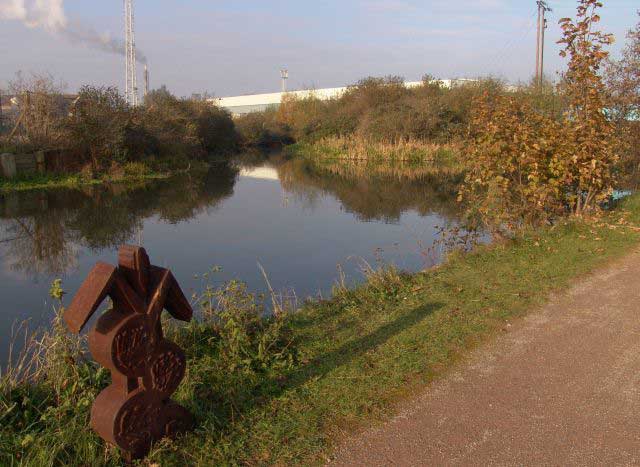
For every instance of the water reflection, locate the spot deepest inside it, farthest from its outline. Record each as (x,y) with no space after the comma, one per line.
(296,221)
(42,232)
(372,197)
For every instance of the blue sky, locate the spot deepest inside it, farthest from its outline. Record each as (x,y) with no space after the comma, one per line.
(238,47)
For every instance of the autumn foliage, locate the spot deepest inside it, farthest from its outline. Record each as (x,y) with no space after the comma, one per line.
(623,82)
(528,166)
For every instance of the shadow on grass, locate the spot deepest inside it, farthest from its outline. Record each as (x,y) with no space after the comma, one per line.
(352,349)
(215,408)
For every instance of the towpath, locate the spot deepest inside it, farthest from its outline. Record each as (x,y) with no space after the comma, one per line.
(560,387)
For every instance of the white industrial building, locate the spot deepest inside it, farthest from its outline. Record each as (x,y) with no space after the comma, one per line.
(240,105)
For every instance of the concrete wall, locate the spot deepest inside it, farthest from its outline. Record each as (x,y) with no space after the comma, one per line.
(12,165)
(22,164)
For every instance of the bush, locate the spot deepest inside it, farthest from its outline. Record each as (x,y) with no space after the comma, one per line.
(262,129)
(136,169)
(623,83)
(214,127)
(188,129)
(375,109)
(513,159)
(97,125)
(42,109)
(106,132)
(527,164)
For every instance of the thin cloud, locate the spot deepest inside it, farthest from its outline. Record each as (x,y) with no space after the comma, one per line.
(386,6)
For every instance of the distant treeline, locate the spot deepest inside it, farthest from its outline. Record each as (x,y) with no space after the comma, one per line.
(381,109)
(105,134)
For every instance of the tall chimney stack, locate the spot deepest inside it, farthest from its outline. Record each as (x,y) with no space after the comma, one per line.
(146,80)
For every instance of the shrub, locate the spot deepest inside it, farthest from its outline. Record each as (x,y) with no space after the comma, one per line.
(262,129)
(97,124)
(623,81)
(374,109)
(136,169)
(513,159)
(41,110)
(187,129)
(529,166)
(214,127)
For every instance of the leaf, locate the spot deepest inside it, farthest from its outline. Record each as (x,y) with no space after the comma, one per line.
(26,441)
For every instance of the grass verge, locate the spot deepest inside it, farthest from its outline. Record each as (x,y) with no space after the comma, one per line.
(283,391)
(40,182)
(129,173)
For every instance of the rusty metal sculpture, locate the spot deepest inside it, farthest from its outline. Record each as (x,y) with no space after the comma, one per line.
(146,369)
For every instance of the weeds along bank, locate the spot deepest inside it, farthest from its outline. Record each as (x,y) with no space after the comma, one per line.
(380,109)
(281,389)
(403,159)
(378,119)
(103,137)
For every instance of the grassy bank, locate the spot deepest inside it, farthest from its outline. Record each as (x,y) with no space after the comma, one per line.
(281,391)
(131,172)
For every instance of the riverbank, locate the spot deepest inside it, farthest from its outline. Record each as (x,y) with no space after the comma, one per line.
(129,173)
(534,395)
(334,366)
(400,159)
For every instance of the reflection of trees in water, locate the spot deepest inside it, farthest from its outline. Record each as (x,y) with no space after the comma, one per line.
(38,246)
(42,231)
(370,196)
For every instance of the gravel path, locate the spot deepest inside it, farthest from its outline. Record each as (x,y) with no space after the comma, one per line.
(561,387)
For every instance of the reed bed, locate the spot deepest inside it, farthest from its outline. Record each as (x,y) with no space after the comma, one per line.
(402,159)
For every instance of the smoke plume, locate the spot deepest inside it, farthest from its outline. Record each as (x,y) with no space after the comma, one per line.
(49,15)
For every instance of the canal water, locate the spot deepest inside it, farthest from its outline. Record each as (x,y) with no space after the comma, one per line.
(303,226)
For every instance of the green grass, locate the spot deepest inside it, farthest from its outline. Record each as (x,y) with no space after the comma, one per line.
(38,182)
(354,356)
(131,172)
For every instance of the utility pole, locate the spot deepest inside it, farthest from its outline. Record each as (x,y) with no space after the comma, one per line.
(284,74)
(542,25)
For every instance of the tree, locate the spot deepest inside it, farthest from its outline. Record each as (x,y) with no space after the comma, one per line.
(589,132)
(623,81)
(42,108)
(98,122)
(623,78)
(530,164)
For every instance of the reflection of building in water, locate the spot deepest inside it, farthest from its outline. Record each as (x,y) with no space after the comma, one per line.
(262,173)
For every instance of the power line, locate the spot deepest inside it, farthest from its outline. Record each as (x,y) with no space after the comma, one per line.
(543,8)
(515,39)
